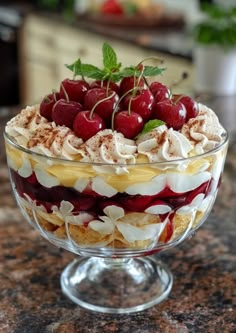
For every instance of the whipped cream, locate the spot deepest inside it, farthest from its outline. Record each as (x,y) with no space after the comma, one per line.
(204,132)
(110,147)
(30,130)
(200,134)
(163,144)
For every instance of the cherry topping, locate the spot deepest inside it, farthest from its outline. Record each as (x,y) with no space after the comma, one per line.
(142,103)
(75,90)
(64,112)
(173,114)
(159,91)
(190,104)
(87,125)
(47,104)
(136,203)
(106,106)
(129,83)
(106,84)
(129,123)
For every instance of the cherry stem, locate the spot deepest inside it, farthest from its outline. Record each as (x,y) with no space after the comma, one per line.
(146,59)
(98,102)
(54,95)
(65,93)
(107,87)
(140,76)
(118,103)
(178,99)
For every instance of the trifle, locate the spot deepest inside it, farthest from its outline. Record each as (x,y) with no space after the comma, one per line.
(114,165)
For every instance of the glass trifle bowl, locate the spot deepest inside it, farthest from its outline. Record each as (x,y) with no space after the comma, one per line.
(115,217)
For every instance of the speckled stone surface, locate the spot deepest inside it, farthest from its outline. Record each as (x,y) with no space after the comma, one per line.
(203,298)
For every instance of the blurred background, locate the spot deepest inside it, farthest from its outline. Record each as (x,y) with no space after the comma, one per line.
(38,37)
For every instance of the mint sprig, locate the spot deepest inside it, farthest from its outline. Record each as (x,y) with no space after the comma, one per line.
(110,58)
(111,70)
(150,125)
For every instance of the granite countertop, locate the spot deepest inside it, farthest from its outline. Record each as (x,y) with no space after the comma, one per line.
(203,298)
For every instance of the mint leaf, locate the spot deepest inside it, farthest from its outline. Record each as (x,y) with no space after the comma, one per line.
(75,67)
(152,71)
(86,70)
(148,71)
(109,57)
(116,76)
(91,71)
(150,125)
(129,71)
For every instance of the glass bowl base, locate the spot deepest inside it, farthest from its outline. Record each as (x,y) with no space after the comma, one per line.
(116,285)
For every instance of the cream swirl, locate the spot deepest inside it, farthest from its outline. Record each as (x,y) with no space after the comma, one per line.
(57,141)
(163,144)
(30,130)
(205,131)
(110,147)
(25,124)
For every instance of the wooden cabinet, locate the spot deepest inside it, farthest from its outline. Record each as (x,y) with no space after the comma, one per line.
(47,45)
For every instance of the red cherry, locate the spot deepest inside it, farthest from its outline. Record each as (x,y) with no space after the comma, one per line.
(173,114)
(136,203)
(32,179)
(104,84)
(83,203)
(129,83)
(75,90)
(87,125)
(47,104)
(111,7)
(142,103)
(202,189)
(128,123)
(107,105)
(64,112)
(159,91)
(190,104)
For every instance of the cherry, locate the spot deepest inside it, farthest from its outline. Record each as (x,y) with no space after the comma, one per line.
(190,104)
(136,203)
(202,189)
(83,203)
(128,123)
(129,83)
(111,7)
(142,103)
(75,90)
(47,104)
(173,114)
(107,105)
(159,91)
(87,125)
(32,179)
(64,112)
(106,84)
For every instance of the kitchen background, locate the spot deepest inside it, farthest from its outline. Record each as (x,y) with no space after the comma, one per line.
(38,37)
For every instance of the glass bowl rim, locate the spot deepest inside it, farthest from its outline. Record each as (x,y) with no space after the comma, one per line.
(225,137)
